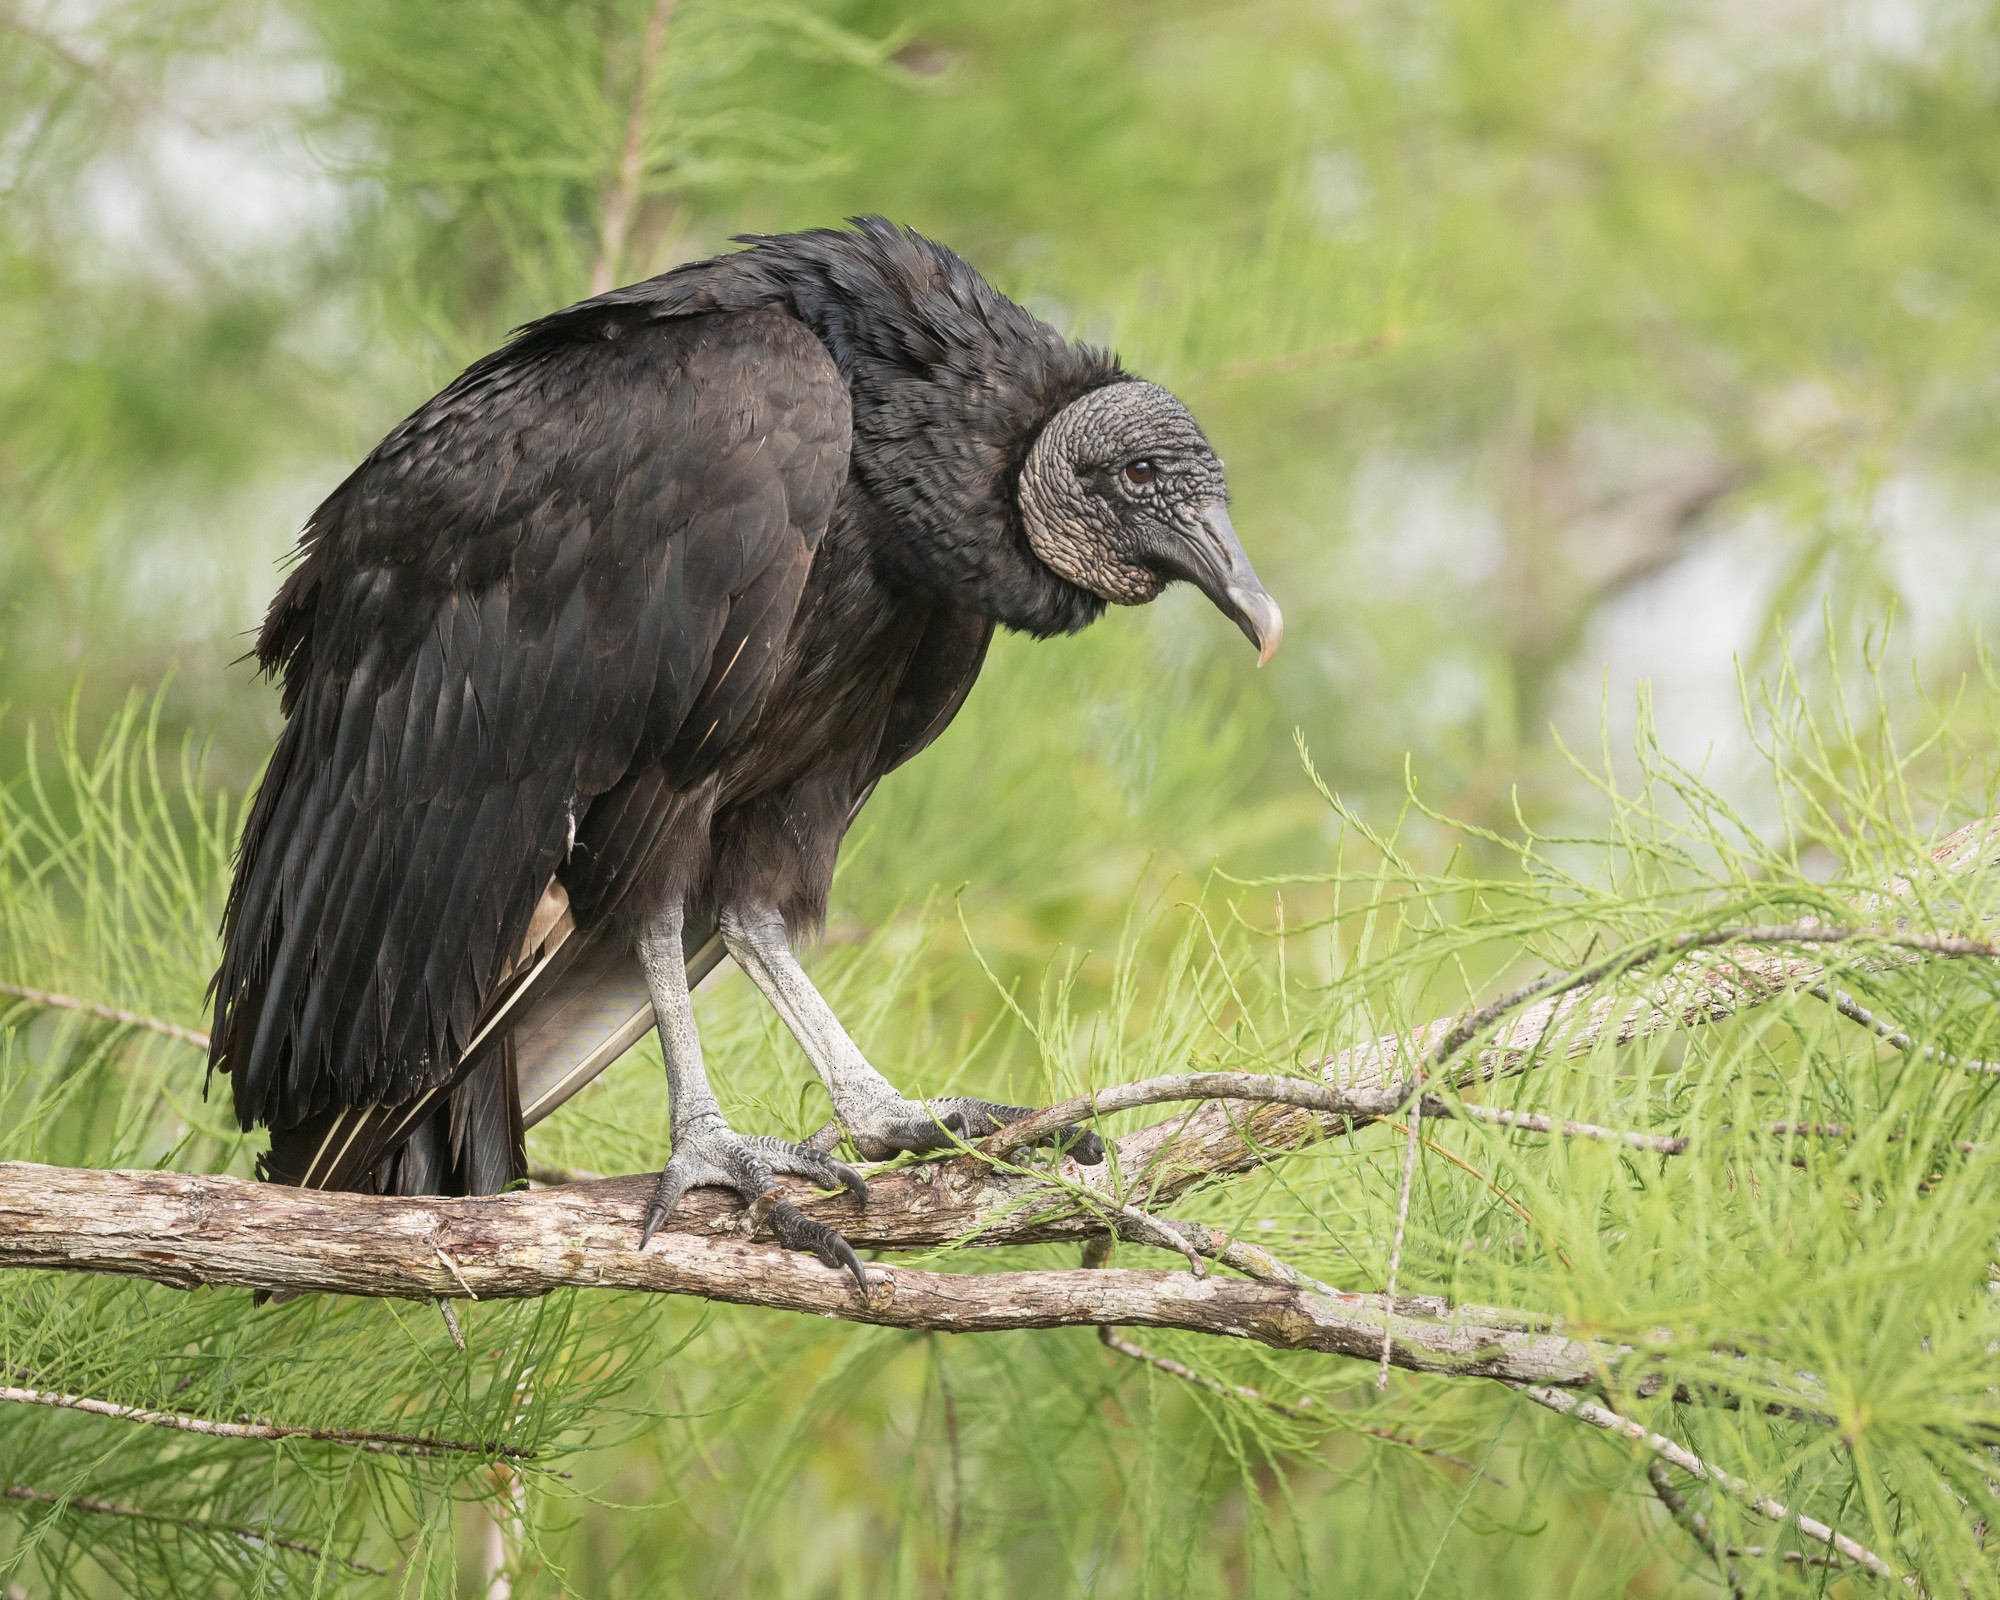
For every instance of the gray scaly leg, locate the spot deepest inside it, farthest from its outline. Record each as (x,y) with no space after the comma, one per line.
(876,1115)
(707,1153)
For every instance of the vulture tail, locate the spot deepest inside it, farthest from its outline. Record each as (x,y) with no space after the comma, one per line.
(574,1004)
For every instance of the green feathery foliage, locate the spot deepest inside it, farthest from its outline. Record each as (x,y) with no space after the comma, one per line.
(1526,331)
(1824,1241)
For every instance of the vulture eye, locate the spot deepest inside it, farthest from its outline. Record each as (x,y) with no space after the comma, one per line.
(1139,473)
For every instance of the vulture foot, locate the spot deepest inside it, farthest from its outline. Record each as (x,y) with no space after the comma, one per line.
(711,1156)
(887,1127)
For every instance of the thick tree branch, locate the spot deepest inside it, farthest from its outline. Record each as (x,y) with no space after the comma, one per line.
(188,1232)
(192,1231)
(1665,1144)
(1226,1137)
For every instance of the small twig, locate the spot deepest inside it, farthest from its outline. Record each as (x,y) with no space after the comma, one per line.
(1259,1088)
(1693,1521)
(1256,1087)
(1854,1011)
(458,1277)
(90,1008)
(21,1491)
(1602,1416)
(1254,1261)
(1840,1130)
(1796,1558)
(1396,1249)
(1125,1220)
(1145,1228)
(1368,1103)
(1476,1021)
(1537,1122)
(1113,1341)
(1808,1130)
(1889,1033)
(378,1442)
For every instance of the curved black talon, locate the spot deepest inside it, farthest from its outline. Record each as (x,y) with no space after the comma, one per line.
(713,1157)
(666,1195)
(793,1229)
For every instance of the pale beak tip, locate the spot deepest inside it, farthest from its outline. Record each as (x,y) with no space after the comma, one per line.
(1266,623)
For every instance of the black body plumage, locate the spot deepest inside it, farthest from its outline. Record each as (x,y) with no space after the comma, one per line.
(649,598)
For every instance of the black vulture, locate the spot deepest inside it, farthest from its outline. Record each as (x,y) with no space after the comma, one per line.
(589,665)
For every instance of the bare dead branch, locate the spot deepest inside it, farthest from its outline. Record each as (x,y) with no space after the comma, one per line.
(1887,1031)
(254,1536)
(130,1019)
(1142,1227)
(1253,1088)
(1536,1122)
(1549,1020)
(1259,1088)
(1694,1522)
(1402,1220)
(1840,1130)
(380,1443)
(1795,1558)
(192,1231)
(1602,1416)
(1648,951)
(1120,1345)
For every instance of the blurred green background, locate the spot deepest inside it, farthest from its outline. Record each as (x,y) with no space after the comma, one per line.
(1562,355)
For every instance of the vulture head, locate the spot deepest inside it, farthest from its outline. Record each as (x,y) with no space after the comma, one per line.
(1122,494)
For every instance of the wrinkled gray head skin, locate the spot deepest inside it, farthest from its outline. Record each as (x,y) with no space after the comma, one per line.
(1122,494)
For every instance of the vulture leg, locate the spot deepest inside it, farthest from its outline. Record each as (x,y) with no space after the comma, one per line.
(707,1153)
(877,1117)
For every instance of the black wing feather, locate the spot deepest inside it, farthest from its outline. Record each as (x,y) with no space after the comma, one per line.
(520,599)
(934,685)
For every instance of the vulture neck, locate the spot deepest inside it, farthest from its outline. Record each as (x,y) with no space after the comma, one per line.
(951,382)
(942,458)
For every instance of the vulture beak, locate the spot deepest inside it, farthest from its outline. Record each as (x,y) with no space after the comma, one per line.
(1213,561)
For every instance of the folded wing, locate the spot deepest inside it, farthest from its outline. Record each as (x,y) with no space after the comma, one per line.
(573,568)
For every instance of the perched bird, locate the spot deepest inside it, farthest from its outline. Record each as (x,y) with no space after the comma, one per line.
(589,665)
